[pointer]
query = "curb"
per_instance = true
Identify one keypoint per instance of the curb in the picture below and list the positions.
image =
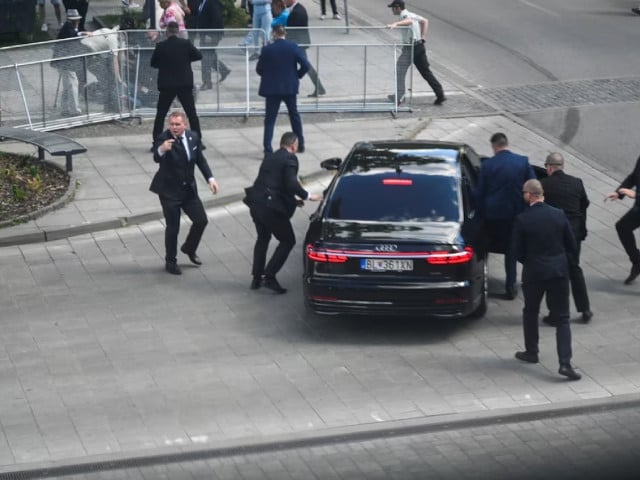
(315, 438)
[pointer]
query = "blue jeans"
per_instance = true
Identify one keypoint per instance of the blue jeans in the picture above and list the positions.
(262, 18)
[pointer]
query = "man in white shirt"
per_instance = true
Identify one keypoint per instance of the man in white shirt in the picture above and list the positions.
(413, 50)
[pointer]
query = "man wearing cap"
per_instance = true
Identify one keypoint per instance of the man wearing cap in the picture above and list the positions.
(69, 68)
(567, 193)
(413, 50)
(542, 241)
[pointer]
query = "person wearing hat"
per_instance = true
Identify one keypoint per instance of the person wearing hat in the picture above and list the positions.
(568, 194)
(413, 50)
(69, 68)
(81, 6)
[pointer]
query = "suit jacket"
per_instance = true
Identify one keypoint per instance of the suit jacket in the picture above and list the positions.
(567, 193)
(211, 15)
(68, 49)
(281, 66)
(172, 57)
(633, 180)
(499, 191)
(176, 173)
(541, 241)
(277, 185)
(298, 18)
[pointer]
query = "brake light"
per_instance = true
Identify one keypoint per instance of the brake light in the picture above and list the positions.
(325, 256)
(449, 258)
(397, 181)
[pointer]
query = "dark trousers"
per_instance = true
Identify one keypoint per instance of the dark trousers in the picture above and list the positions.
(272, 105)
(557, 292)
(313, 76)
(417, 55)
(185, 95)
(192, 206)
(210, 61)
(578, 284)
(499, 233)
(323, 6)
(269, 222)
(82, 6)
(625, 227)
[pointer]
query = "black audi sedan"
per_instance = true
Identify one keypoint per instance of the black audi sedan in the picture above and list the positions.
(395, 232)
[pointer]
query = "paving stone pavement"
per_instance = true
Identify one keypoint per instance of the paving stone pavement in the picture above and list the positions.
(104, 357)
(589, 446)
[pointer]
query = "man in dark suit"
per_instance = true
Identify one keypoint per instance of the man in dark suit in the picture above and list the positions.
(281, 66)
(298, 20)
(272, 201)
(178, 151)
(498, 200)
(630, 220)
(172, 57)
(542, 240)
(210, 17)
(568, 194)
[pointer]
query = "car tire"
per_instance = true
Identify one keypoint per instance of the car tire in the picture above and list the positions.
(481, 310)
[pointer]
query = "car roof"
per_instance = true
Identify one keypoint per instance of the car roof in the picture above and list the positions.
(417, 156)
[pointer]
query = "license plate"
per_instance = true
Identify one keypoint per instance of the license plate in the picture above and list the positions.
(386, 265)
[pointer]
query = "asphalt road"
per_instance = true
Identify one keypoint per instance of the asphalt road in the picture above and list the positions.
(529, 43)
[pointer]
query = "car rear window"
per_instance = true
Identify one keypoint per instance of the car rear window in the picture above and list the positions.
(395, 197)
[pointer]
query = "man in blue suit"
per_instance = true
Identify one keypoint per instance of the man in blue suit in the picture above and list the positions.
(543, 242)
(499, 200)
(281, 66)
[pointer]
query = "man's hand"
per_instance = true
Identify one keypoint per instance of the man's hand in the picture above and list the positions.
(315, 197)
(213, 186)
(166, 145)
(612, 196)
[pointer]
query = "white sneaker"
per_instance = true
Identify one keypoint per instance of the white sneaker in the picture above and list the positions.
(321, 17)
(337, 17)
(44, 27)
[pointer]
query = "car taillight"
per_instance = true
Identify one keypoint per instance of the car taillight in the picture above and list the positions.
(449, 258)
(324, 255)
(397, 181)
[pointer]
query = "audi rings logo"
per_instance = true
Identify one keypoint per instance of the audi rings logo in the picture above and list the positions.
(389, 247)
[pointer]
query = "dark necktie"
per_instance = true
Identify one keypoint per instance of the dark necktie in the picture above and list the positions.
(180, 143)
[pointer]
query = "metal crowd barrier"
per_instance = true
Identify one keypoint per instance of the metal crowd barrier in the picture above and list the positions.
(116, 81)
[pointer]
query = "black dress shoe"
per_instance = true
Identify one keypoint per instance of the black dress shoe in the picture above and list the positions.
(636, 10)
(172, 268)
(567, 370)
(195, 259)
(206, 86)
(272, 284)
(511, 292)
(224, 75)
(439, 101)
(528, 357)
(635, 271)
(587, 315)
(317, 94)
(552, 322)
(256, 283)
(301, 148)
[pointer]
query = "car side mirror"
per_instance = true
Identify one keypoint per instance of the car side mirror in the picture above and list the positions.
(331, 163)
